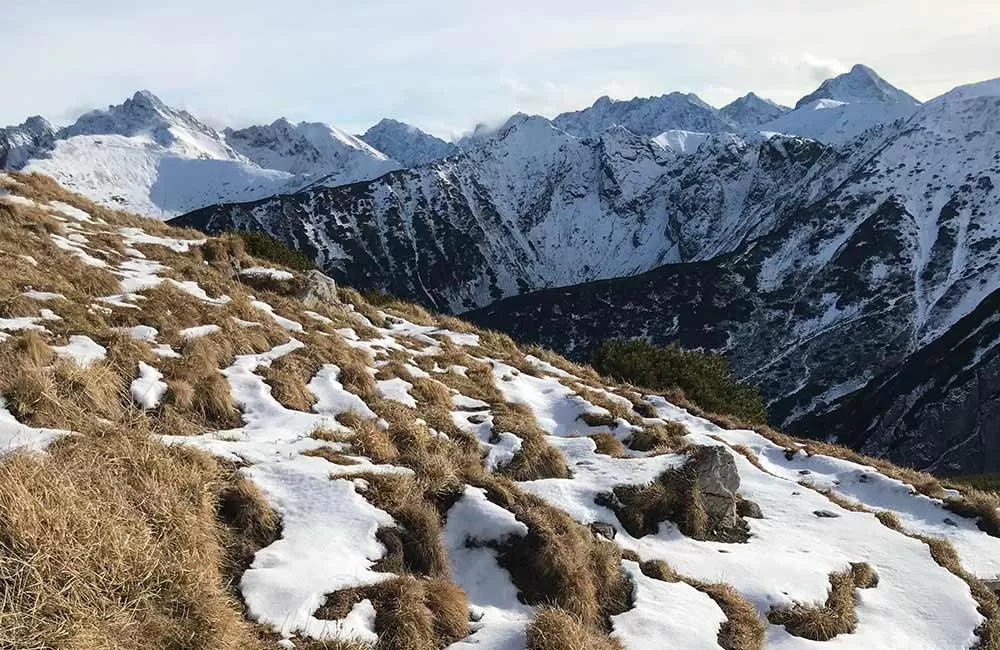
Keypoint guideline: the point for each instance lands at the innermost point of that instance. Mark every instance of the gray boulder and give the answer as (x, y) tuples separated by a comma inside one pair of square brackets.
[(319, 289)]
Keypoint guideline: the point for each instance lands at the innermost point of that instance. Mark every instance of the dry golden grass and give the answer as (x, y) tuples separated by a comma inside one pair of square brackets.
[(560, 562), (421, 550), (557, 629), (608, 445), (411, 613), (657, 438), (743, 629), (112, 543), (536, 459), (455, 324), (836, 616)]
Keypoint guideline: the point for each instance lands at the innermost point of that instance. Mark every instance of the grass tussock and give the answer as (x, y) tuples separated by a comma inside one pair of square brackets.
[(557, 629), (560, 562), (837, 615), (743, 629), (411, 613), (420, 550), (608, 445), (112, 543), (657, 438), (536, 459)]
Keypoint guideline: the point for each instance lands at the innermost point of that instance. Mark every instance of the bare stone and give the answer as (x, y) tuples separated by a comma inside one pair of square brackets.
[(319, 289), (603, 530)]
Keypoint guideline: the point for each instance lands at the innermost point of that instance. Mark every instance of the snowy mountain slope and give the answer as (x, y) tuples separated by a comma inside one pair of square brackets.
[(532, 207), (406, 432), (407, 144), (859, 85), (649, 116), (149, 158), (844, 107), (152, 159), (310, 149), (750, 111), (892, 244)]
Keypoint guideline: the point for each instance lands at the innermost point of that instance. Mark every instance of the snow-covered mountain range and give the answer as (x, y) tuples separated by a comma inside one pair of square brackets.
[(815, 266), (148, 157)]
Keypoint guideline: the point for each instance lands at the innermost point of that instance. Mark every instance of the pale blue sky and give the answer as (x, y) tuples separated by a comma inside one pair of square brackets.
[(447, 64)]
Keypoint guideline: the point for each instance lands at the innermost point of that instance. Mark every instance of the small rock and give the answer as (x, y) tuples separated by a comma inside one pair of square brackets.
[(796, 493), (825, 514), (804, 472), (950, 521), (747, 508), (477, 418), (603, 530), (864, 478)]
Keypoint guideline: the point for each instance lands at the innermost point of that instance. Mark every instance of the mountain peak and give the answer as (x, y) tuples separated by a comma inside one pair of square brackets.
[(860, 85), (405, 143), (648, 116), (751, 110)]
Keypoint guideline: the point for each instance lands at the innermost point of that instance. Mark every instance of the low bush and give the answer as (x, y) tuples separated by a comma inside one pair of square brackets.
[(704, 377)]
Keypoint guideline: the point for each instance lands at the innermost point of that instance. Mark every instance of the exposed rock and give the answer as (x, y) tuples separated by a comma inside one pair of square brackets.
[(749, 509), (825, 514), (319, 289), (603, 530)]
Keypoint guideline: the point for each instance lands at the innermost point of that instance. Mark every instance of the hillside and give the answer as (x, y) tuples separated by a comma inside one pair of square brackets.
[(205, 451)]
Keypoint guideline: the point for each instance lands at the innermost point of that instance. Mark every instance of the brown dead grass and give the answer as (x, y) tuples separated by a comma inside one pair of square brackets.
[(111, 543), (657, 438), (743, 629), (536, 459), (557, 629), (837, 615), (411, 613), (608, 445), (422, 551)]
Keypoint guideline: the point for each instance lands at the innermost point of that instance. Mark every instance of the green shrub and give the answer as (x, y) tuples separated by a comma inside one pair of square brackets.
[(269, 248), (705, 378)]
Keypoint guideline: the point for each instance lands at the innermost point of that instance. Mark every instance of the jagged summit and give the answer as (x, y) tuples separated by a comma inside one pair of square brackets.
[(751, 110), (860, 85), (648, 116), (310, 148), (407, 144)]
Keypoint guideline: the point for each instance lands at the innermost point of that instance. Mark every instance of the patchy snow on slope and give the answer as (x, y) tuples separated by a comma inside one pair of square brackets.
[(148, 388), (667, 610), (15, 436), (81, 350), (500, 618)]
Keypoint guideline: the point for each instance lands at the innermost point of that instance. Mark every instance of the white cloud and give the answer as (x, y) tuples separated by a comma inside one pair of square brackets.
[(819, 68)]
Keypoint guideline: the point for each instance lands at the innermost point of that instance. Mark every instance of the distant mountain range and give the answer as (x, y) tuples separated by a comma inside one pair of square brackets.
[(817, 263), (153, 159)]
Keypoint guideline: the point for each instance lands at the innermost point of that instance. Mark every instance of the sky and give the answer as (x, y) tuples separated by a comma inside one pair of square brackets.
[(448, 64)]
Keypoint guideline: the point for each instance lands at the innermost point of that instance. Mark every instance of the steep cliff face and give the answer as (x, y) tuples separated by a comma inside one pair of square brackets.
[(532, 208)]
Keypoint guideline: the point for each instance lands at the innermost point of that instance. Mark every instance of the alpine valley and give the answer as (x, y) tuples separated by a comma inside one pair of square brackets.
[(843, 254)]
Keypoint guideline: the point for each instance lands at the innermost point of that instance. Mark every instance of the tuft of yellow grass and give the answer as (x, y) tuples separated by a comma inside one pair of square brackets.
[(837, 615), (112, 543)]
